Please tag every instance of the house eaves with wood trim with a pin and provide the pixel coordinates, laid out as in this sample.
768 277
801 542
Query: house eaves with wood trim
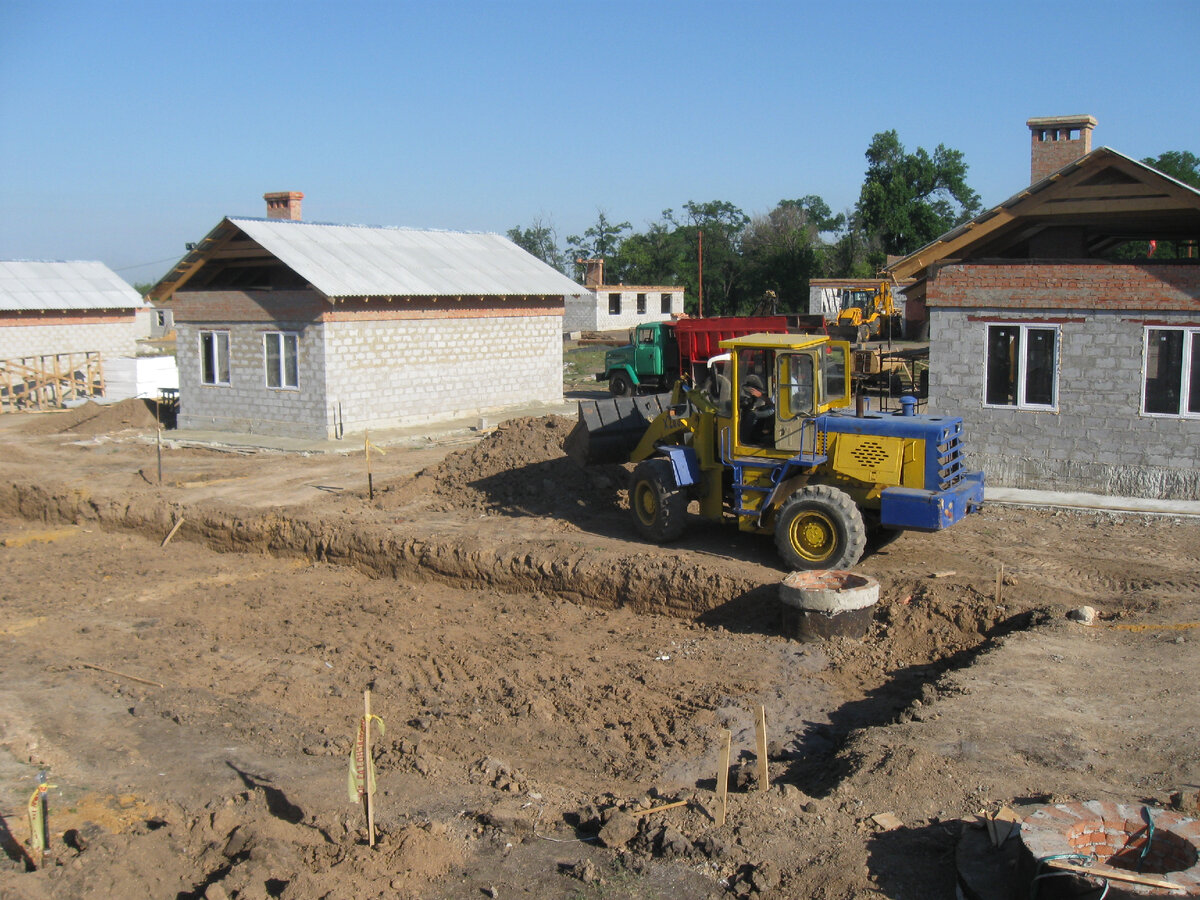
1090 374
315 330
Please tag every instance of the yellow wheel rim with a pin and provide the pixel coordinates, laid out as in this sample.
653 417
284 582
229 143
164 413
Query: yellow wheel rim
813 536
645 501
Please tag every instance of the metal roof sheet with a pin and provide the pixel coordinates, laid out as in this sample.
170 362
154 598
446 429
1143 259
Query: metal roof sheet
369 261
37 285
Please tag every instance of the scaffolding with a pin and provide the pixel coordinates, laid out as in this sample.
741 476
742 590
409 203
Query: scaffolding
50 380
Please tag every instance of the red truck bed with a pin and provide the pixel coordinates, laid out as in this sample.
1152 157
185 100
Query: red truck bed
699 339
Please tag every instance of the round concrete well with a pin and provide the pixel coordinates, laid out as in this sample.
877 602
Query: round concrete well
823 603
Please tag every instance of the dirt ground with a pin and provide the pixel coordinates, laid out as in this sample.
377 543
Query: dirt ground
540 673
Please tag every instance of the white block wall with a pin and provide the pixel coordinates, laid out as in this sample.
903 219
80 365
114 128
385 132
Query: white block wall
589 312
112 339
402 372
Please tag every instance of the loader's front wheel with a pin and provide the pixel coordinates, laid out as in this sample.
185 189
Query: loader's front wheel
659 505
820 527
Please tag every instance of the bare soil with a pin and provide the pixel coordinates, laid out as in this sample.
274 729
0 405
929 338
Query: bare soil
538 669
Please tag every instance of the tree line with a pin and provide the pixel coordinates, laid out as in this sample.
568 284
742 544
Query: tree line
907 200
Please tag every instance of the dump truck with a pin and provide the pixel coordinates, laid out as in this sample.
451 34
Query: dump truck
658 353
773 445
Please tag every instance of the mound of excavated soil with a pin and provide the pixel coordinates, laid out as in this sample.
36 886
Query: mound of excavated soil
94 418
518 468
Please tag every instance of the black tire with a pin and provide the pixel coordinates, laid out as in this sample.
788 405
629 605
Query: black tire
659 506
820 527
620 385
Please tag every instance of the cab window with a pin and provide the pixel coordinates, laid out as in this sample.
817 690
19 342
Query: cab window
833 375
645 336
796 385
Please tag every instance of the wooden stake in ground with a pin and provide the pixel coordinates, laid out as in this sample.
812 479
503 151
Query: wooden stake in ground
158 447
39 830
367 447
171 533
723 774
999 583
362 767
760 733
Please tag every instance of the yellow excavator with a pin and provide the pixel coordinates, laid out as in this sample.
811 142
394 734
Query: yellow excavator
868 314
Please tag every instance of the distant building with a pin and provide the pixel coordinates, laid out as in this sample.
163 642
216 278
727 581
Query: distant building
296 329
613 307
68 307
1073 369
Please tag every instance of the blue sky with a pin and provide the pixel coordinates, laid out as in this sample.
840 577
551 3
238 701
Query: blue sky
130 128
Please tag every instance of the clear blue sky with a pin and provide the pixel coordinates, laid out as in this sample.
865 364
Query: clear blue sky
130 128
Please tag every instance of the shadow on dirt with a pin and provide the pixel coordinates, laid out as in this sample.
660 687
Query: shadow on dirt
915 861
277 802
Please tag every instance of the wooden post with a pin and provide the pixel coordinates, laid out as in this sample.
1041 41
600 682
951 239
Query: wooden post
367 450
367 769
999 583
158 448
760 732
723 774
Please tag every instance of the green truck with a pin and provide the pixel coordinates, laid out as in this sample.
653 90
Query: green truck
659 353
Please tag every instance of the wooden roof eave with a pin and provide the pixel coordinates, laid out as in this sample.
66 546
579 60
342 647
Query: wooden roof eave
221 235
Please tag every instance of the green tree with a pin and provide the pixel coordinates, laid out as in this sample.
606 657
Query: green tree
541 240
1182 165
600 241
722 225
782 250
908 199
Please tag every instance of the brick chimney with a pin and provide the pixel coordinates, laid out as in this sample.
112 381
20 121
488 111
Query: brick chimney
284 205
1058 141
593 272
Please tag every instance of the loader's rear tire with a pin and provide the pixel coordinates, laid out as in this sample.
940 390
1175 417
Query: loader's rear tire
820 527
620 385
659 505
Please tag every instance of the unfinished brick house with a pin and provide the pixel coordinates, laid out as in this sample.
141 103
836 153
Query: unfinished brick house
1073 367
613 307
305 330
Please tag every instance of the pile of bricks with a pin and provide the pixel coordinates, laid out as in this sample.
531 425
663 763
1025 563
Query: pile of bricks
1115 835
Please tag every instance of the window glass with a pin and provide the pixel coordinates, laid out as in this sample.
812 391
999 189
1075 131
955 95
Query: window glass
280 354
214 357
641 304
833 366
1164 370
1002 361
1193 403
666 304
1039 366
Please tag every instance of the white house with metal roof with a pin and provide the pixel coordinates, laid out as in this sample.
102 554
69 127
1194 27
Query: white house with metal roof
48 308
315 330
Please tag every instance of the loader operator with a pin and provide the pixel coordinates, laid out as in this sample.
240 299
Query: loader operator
757 412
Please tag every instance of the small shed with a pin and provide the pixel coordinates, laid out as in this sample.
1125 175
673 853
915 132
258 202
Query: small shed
60 321
1072 356
314 330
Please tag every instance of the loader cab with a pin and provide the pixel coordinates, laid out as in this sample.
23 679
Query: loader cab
780 384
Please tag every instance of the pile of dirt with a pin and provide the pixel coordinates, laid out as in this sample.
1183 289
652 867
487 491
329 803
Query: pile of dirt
519 469
94 418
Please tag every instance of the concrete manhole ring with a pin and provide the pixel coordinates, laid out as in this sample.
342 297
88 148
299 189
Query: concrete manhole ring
1114 834
822 603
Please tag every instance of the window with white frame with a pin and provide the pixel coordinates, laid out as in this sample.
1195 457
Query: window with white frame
1021 367
280 352
1171 386
214 357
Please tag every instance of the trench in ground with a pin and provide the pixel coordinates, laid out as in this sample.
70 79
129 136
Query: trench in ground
914 640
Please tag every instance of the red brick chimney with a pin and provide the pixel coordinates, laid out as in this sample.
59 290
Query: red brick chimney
284 205
1058 141
593 272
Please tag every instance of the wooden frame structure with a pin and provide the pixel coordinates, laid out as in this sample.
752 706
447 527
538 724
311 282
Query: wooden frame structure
49 380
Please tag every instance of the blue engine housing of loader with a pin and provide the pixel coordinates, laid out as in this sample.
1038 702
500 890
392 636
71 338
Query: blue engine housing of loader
948 491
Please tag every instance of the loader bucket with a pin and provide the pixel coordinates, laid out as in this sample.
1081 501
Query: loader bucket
608 430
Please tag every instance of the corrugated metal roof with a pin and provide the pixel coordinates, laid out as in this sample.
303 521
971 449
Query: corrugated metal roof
367 261
37 285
